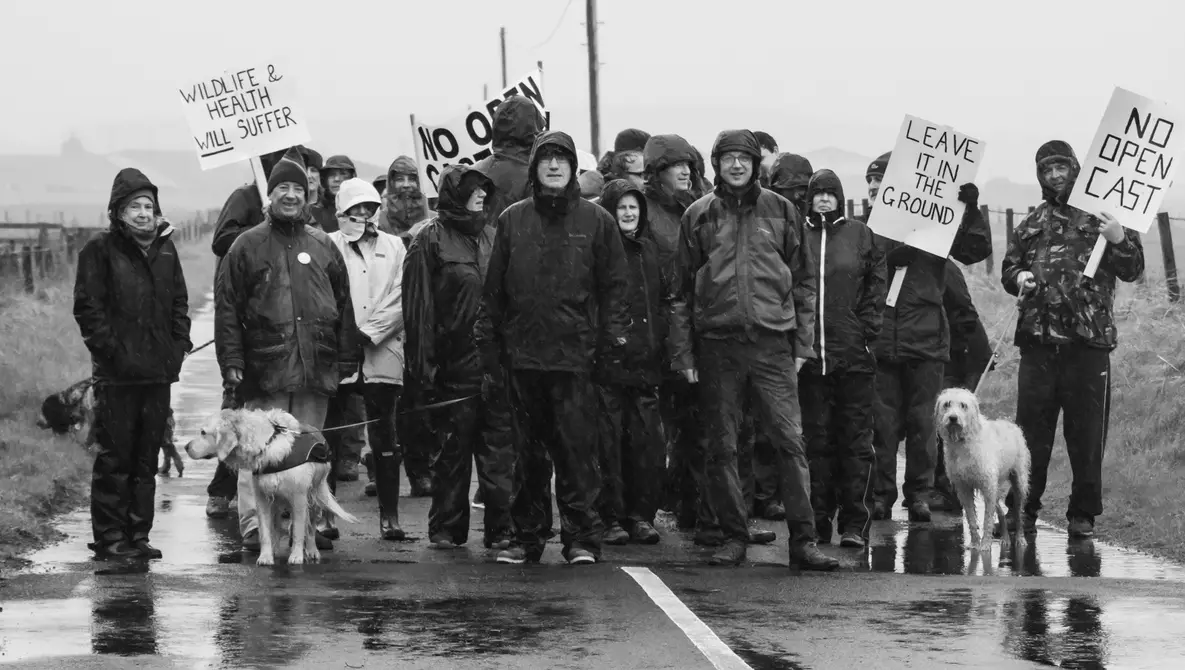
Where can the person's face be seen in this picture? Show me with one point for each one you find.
(314, 179)
(289, 199)
(1056, 174)
(874, 187)
(404, 184)
(363, 212)
(477, 200)
(736, 168)
(139, 214)
(824, 202)
(676, 178)
(554, 171)
(629, 213)
(334, 179)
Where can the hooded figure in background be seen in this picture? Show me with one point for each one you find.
(1066, 332)
(789, 175)
(837, 388)
(555, 290)
(443, 281)
(404, 204)
(337, 169)
(517, 122)
(131, 306)
(313, 165)
(632, 449)
(628, 161)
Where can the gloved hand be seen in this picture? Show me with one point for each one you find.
(969, 195)
(347, 370)
(902, 256)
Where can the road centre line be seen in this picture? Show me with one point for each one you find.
(708, 643)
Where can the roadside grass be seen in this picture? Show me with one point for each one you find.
(41, 352)
(1144, 462)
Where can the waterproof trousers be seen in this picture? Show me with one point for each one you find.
(379, 401)
(1075, 381)
(225, 481)
(555, 414)
(347, 408)
(632, 454)
(308, 408)
(837, 422)
(131, 423)
(761, 365)
(684, 494)
(417, 439)
(906, 391)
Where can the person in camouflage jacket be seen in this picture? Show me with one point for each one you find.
(1066, 332)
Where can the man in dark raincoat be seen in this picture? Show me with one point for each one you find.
(555, 290)
(442, 292)
(131, 305)
(517, 122)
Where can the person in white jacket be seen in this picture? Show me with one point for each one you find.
(374, 262)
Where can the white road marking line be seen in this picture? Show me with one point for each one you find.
(711, 646)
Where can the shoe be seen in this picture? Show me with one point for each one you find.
(217, 507)
(323, 543)
(442, 542)
(421, 487)
(368, 462)
(774, 511)
(1028, 521)
(327, 528)
(852, 540)
(806, 556)
(498, 544)
(644, 533)
(732, 553)
(615, 535)
(880, 511)
(824, 530)
(1080, 526)
(759, 535)
(251, 541)
(390, 530)
(941, 502)
(709, 537)
(348, 472)
(116, 549)
(581, 557)
(146, 550)
(371, 489)
(919, 511)
(512, 556)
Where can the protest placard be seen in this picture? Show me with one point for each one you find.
(467, 139)
(244, 112)
(918, 202)
(1130, 164)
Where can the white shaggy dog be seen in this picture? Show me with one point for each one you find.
(983, 456)
(260, 440)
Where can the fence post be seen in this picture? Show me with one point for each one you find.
(987, 221)
(851, 208)
(1008, 219)
(864, 207)
(1170, 256)
(27, 268)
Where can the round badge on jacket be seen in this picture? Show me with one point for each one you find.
(304, 257)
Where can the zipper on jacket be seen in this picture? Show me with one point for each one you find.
(822, 309)
(646, 299)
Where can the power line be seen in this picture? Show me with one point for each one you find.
(555, 29)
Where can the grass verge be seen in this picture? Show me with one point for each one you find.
(1144, 463)
(41, 352)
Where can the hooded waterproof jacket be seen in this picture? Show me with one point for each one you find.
(743, 266)
(557, 279)
(400, 222)
(642, 361)
(664, 209)
(851, 291)
(283, 313)
(517, 122)
(442, 289)
(131, 304)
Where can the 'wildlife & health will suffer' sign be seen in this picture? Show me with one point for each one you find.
(244, 112)
(918, 202)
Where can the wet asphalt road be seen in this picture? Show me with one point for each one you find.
(917, 598)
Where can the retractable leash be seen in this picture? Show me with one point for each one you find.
(999, 343)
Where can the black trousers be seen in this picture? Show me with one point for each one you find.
(906, 391)
(379, 401)
(417, 439)
(346, 408)
(1075, 381)
(225, 482)
(555, 414)
(132, 421)
(631, 455)
(837, 420)
(684, 488)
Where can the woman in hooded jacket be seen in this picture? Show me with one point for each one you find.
(132, 308)
(837, 389)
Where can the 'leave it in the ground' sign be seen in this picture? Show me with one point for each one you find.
(244, 112)
(1131, 161)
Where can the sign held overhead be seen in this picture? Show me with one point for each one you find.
(244, 112)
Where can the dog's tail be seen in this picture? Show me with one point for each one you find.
(324, 499)
(1019, 478)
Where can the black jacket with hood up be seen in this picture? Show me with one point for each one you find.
(664, 209)
(443, 276)
(641, 362)
(131, 304)
(557, 280)
(517, 122)
(851, 294)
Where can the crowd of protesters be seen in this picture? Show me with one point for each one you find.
(655, 341)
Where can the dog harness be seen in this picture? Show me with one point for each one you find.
(306, 448)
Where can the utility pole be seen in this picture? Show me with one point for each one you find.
(503, 33)
(593, 99)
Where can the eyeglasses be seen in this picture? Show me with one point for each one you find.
(733, 159)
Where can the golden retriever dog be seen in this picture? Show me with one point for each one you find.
(984, 456)
(261, 441)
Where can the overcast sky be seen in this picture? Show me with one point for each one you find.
(813, 74)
